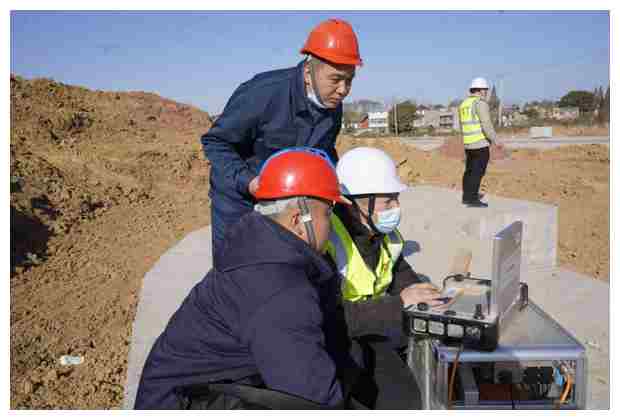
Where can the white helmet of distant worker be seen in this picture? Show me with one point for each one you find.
(366, 170)
(479, 83)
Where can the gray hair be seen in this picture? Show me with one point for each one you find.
(275, 207)
(314, 61)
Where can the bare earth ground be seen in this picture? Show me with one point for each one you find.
(103, 183)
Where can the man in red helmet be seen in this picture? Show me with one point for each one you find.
(297, 106)
(262, 329)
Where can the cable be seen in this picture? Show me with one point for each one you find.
(457, 277)
(454, 368)
(569, 383)
(371, 209)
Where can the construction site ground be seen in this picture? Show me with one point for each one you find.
(103, 183)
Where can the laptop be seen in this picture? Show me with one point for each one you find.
(475, 307)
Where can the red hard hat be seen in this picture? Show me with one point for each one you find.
(293, 173)
(334, 41)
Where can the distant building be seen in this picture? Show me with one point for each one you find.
(565, 113)
(510, 109)
(356, 123)
(543, 111)
(449, 120)
(363, 106)
(441, 119)
(556, 112)
(514, 118)
(363, 122)
(421, 110)
(378, 121)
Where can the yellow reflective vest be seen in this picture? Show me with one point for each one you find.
(358, 281)
(470, 121)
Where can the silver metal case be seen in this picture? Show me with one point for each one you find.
(532, 339)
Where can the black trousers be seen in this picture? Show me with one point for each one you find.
(476, 161)
(386, 382)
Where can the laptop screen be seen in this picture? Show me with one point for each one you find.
(506, 269)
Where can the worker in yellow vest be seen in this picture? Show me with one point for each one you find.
(365, 247)
(478, 135)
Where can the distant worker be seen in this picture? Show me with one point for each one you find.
(261, 329)
(478, 135)
(297, 106)
(376, 281)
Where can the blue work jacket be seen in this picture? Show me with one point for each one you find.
(268, 310)
(264, 115)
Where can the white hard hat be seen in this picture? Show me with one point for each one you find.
(366, 170)
(479, 83)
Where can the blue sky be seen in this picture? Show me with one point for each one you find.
(201, 57)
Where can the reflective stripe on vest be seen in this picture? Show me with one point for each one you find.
(470, 121)
(358, 281)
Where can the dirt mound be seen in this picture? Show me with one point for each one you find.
(76, 153)
(102, 183)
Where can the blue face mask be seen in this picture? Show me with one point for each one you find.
(388, 220)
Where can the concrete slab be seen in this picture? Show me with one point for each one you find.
(435, 218)
(164, 287)
(435, 225)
